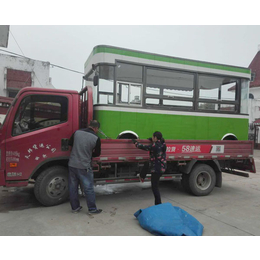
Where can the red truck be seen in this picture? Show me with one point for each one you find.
(34, 149)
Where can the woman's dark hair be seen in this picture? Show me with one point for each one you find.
(158, 135)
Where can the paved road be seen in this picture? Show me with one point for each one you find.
(232, 210)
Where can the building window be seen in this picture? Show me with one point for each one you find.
(253, 76)
(244, 96)
(12, 93)
(18, 79)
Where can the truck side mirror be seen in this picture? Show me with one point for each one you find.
(95, 80)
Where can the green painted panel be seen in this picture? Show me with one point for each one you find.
(172, 126)
(148, 56)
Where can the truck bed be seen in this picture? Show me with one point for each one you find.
(120, 150)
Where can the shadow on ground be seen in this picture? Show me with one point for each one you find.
(15, 199)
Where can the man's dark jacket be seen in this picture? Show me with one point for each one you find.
(85, 145)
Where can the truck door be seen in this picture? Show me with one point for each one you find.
(36, 133)
(86, 100)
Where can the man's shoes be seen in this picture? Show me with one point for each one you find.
(95, 211)
(77, 210)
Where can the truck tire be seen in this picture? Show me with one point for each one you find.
(202, 180)
(51, 186)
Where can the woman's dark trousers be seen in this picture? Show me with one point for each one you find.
(155, 178)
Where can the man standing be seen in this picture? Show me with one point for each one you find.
(85, 145)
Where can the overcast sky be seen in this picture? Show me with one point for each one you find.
(70, 46)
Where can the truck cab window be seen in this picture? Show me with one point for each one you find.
(40, 111)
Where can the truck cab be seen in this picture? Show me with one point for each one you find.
(34, 135)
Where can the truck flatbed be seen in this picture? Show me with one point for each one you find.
(122, 150)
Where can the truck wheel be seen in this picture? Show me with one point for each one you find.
(51, 186)
(202, 180)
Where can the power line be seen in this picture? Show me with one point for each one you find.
(67, 69)
(14, 53)
(50, 63)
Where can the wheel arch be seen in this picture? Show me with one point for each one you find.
(61, 161)
(128, 134)
(229, 136)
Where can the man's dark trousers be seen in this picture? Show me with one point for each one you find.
(85, 176)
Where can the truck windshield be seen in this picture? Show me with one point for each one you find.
(40, 111)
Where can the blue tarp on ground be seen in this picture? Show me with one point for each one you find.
(167, 220)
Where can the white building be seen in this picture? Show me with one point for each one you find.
(254, 98)
(17, 73)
